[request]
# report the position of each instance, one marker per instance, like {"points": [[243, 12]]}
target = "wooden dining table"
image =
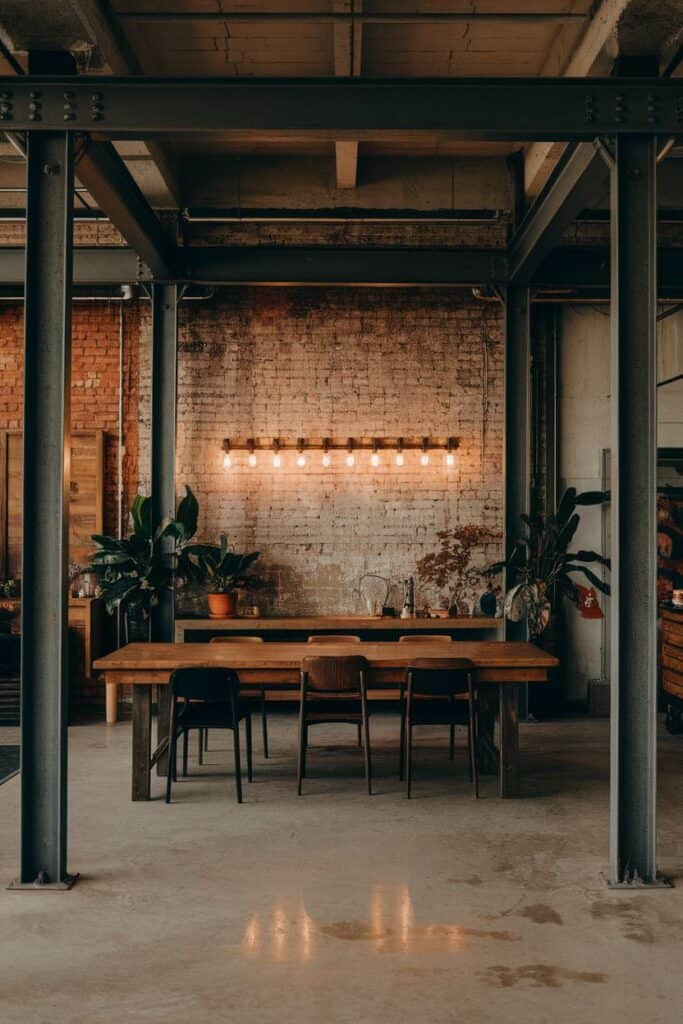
{"points": [[500, 667]]}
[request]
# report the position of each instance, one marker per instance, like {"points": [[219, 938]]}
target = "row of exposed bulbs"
{"points": [[426, 447]]}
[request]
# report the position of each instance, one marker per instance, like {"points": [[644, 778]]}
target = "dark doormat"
{"points": [[9, 763]]}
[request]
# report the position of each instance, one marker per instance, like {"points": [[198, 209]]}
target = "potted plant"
{"points": [[541, 566], [225, 572], [131, 572], [449, 570]]}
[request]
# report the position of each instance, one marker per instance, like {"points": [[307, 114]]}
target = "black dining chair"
{"points": [[429, 638], [261, 690], [207, 698], [337, 638], [333, 689], [434, 686]]}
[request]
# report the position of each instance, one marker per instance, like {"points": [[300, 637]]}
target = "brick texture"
{"points": [[302, 362]]}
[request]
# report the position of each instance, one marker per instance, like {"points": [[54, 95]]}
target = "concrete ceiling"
{"points": [[105, 39]]}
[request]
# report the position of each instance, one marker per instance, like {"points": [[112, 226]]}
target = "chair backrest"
{"points": [[439, 677], [330, 638], [236, 640], [341, 674], [209, 684], [408, 638]]}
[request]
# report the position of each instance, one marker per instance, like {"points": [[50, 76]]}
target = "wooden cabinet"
{"points": [[672, 668]]}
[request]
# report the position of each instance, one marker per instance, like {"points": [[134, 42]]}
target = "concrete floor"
{"points": [[337, 907]]}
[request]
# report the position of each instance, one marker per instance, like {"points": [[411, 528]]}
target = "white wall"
{"points": [[585, 433]]}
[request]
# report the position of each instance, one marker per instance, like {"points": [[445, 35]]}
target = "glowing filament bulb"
{"points": [[252, 459], [301, 460], [424, 459], [326, 459], [227, 460], [399, 458], [450, 459], [277, 460], [350, 459], [374, 459]]}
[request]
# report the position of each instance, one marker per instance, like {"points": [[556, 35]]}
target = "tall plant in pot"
{"points": [[132, 572], [541, 567], [225, 572]]}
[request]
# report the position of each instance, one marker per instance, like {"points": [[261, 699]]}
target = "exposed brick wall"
{"points": [[302, 362], [340, 362]]}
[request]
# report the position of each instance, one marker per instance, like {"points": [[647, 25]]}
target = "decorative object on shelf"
{"points": [[449, 570], [541, 567], [9, 588], [225, 572], [373, 590], [488, 601], [677, 598], [131, 572], [408, 610], [351, 445]]}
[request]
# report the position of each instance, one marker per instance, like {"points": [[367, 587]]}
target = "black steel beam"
{"points": [[47, 377], [551, 109], [92, 265], [163, 429], [106, 177], [633, 607], [310, 265], [580, 180], [584, 267], [517, 472]]}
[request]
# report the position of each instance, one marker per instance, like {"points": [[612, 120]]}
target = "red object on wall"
{"points": [[588, 603]]}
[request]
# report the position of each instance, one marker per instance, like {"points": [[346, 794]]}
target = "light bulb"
{"points": [[399, 458], [252, 459], [450, 459], [301, 461], [277, 460], [350, 459], [227, 460], [424, 459], [326, 459], [374, 459]]}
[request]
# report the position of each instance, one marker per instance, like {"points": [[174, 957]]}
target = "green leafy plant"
{"points": [[541, 566], [222, 569], [132, 571]]}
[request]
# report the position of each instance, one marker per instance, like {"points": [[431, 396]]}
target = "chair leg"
{"points": [[301, 760], [200, 745], [264, 723], [409, 759], [474, 752], [366, 748], [238, 766], [402, 740], [470, 746], [451, 739], [185, 743], [172, 743], [206, 739], [305, 751], [250, 766], [360, 737]]}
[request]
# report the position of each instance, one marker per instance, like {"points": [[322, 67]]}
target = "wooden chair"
{"points": [[203, 698], [261, 691], [415, 638], [433, 683], [333, 689], [332, 638]]}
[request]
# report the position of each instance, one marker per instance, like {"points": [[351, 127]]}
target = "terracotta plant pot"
{"points": [[223, 606]]}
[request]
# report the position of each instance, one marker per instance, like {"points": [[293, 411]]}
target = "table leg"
{"points": [[509, 740], [111, 695], [163, 722], [142, 741], [488, 708]]}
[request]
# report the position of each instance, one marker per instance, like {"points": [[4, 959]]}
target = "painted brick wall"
{"points": [[302, 362], [340, 362]]}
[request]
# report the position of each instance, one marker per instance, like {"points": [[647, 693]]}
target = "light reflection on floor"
{"points": [[289, 933]]}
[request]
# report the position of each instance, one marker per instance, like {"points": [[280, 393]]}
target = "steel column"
{"points": [[517, 428], [47, 377], [634, 521], [163, 428]]}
